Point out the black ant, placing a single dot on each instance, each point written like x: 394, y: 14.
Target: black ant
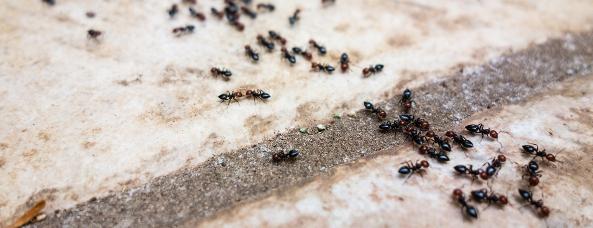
x: 277, y: 37
x: 173, y: 10
x: 537, y: 204
x: 251, y: 53
x: 288, y: 56
x: 230, y: 96
x: 322, y: 67
x: 258, y: 94
x: 494, y: 166
x: 93, y: 34
x: 328, y: 2
x: 459, y: 139
x: 282, y: 156
x: 49, y: 2
x: 226, y: 74
x: 320, y: 49
x: 420, y: 123
x: 183, y: 30
x: 191, y: 2
x: 344, y: 62
x: 366, y: 72
x: 200, y: 16
x: 410, y: 168
x: 469, y: 170
x: 469, y: 210
x: 537, y: 153
x: 479, y: 129
x: 375, y: 110
x: 443, y: 143
x: 217, y: 13
x: 265, y: 43
x: 294, y: 18
x: 406, y: 100
x: 532, y: 172
x: 307, y: 55
x: 440, y: 156
x: 266, y: 6
x: 483, y: 195
x: 248, y: 12
x: 415, y: 135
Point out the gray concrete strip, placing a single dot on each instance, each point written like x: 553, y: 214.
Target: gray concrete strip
x: 246, y: 175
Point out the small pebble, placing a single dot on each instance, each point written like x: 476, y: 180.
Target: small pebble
x: 304, y: 130
x: 338, y: 115
x: 321, y: 127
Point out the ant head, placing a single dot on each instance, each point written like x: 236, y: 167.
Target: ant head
x: 457, y: 193
x: 423, y: 149
x: 503, y: 200
x: 544, y: 211
x: 533, y: 181
x: 483, y: 175
x: 450, y: 134
x: 424, y: 163
x: 551, y: 157
x: 501, y: 158
x: 430, y: 133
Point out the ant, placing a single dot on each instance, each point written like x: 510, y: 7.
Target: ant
x: 93, y: 34
x: 366, y: 72
x: 440, y: 156
x: 378, y: 110
x: 251, y: 53
x: 443, y: 143
x: 183, y: 30
x: 418, y: 122
x: 248, y: 12
x: 294, y: 18
x: 238, y: 25
x: 537, y: 204
x: 49, y: 2
x: 281, y: 156
x: 483, y: 195
x: 415, y: 135
x: 537, y: 153
x: 531, y: 170
x: 258, y: 94
x: 307, y: 55
x: 320, y: 49
x: 328, y: 2
x: 465, y: 207
x: 494, y: 166
x: 266, y: 6
x: 459, y: 139
x: 406, y: 100
x: 322, y: 67
x: 410, y: 168
x: 469, y: 170
x: 226, y: 74
x: 344, y: 62
x: 288, y: 56
x: 173, y: 11
x: 479, y: 129
x: 200, y: 16
x: 230, y: 96
x: 217, y: 13
x: 265, y: 43
x: 277, y: 37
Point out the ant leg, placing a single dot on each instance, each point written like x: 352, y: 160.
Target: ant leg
x: 408, y: 177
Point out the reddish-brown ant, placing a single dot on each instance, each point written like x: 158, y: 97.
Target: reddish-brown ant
x: 248, y: 12
x: 307, y: 55
x: 183, y: 30
x: 542, y: 210
x: 381, y: 114
x: 322, y: 67
x: 265, y: 43
x: 217, y: 13
x: 226, y: 74
x: 483, y: 195
x: 529, y: 149
x: 277, y: 37
x: 479, y: 129
x: 459, y: 139
x: 200, y: 16
x: 230, y: 96
x: 410, y: 168
x: 494, y: 166
x: 468, y: 209
x: 320, y: 49
x: 344, y: 62
x: 532, y: 173
x: 258, y: 94
x: 266, y: 6
x: 366, y: 72
x: 93, y: 34
x: 281, y: 156
x: 251, y: 53
x: 469, y: 170
x: 288, y: 56
x: 173, y: 10
x: 292, y: 20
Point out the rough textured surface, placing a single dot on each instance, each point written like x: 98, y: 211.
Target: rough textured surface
x: 190, y: 195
